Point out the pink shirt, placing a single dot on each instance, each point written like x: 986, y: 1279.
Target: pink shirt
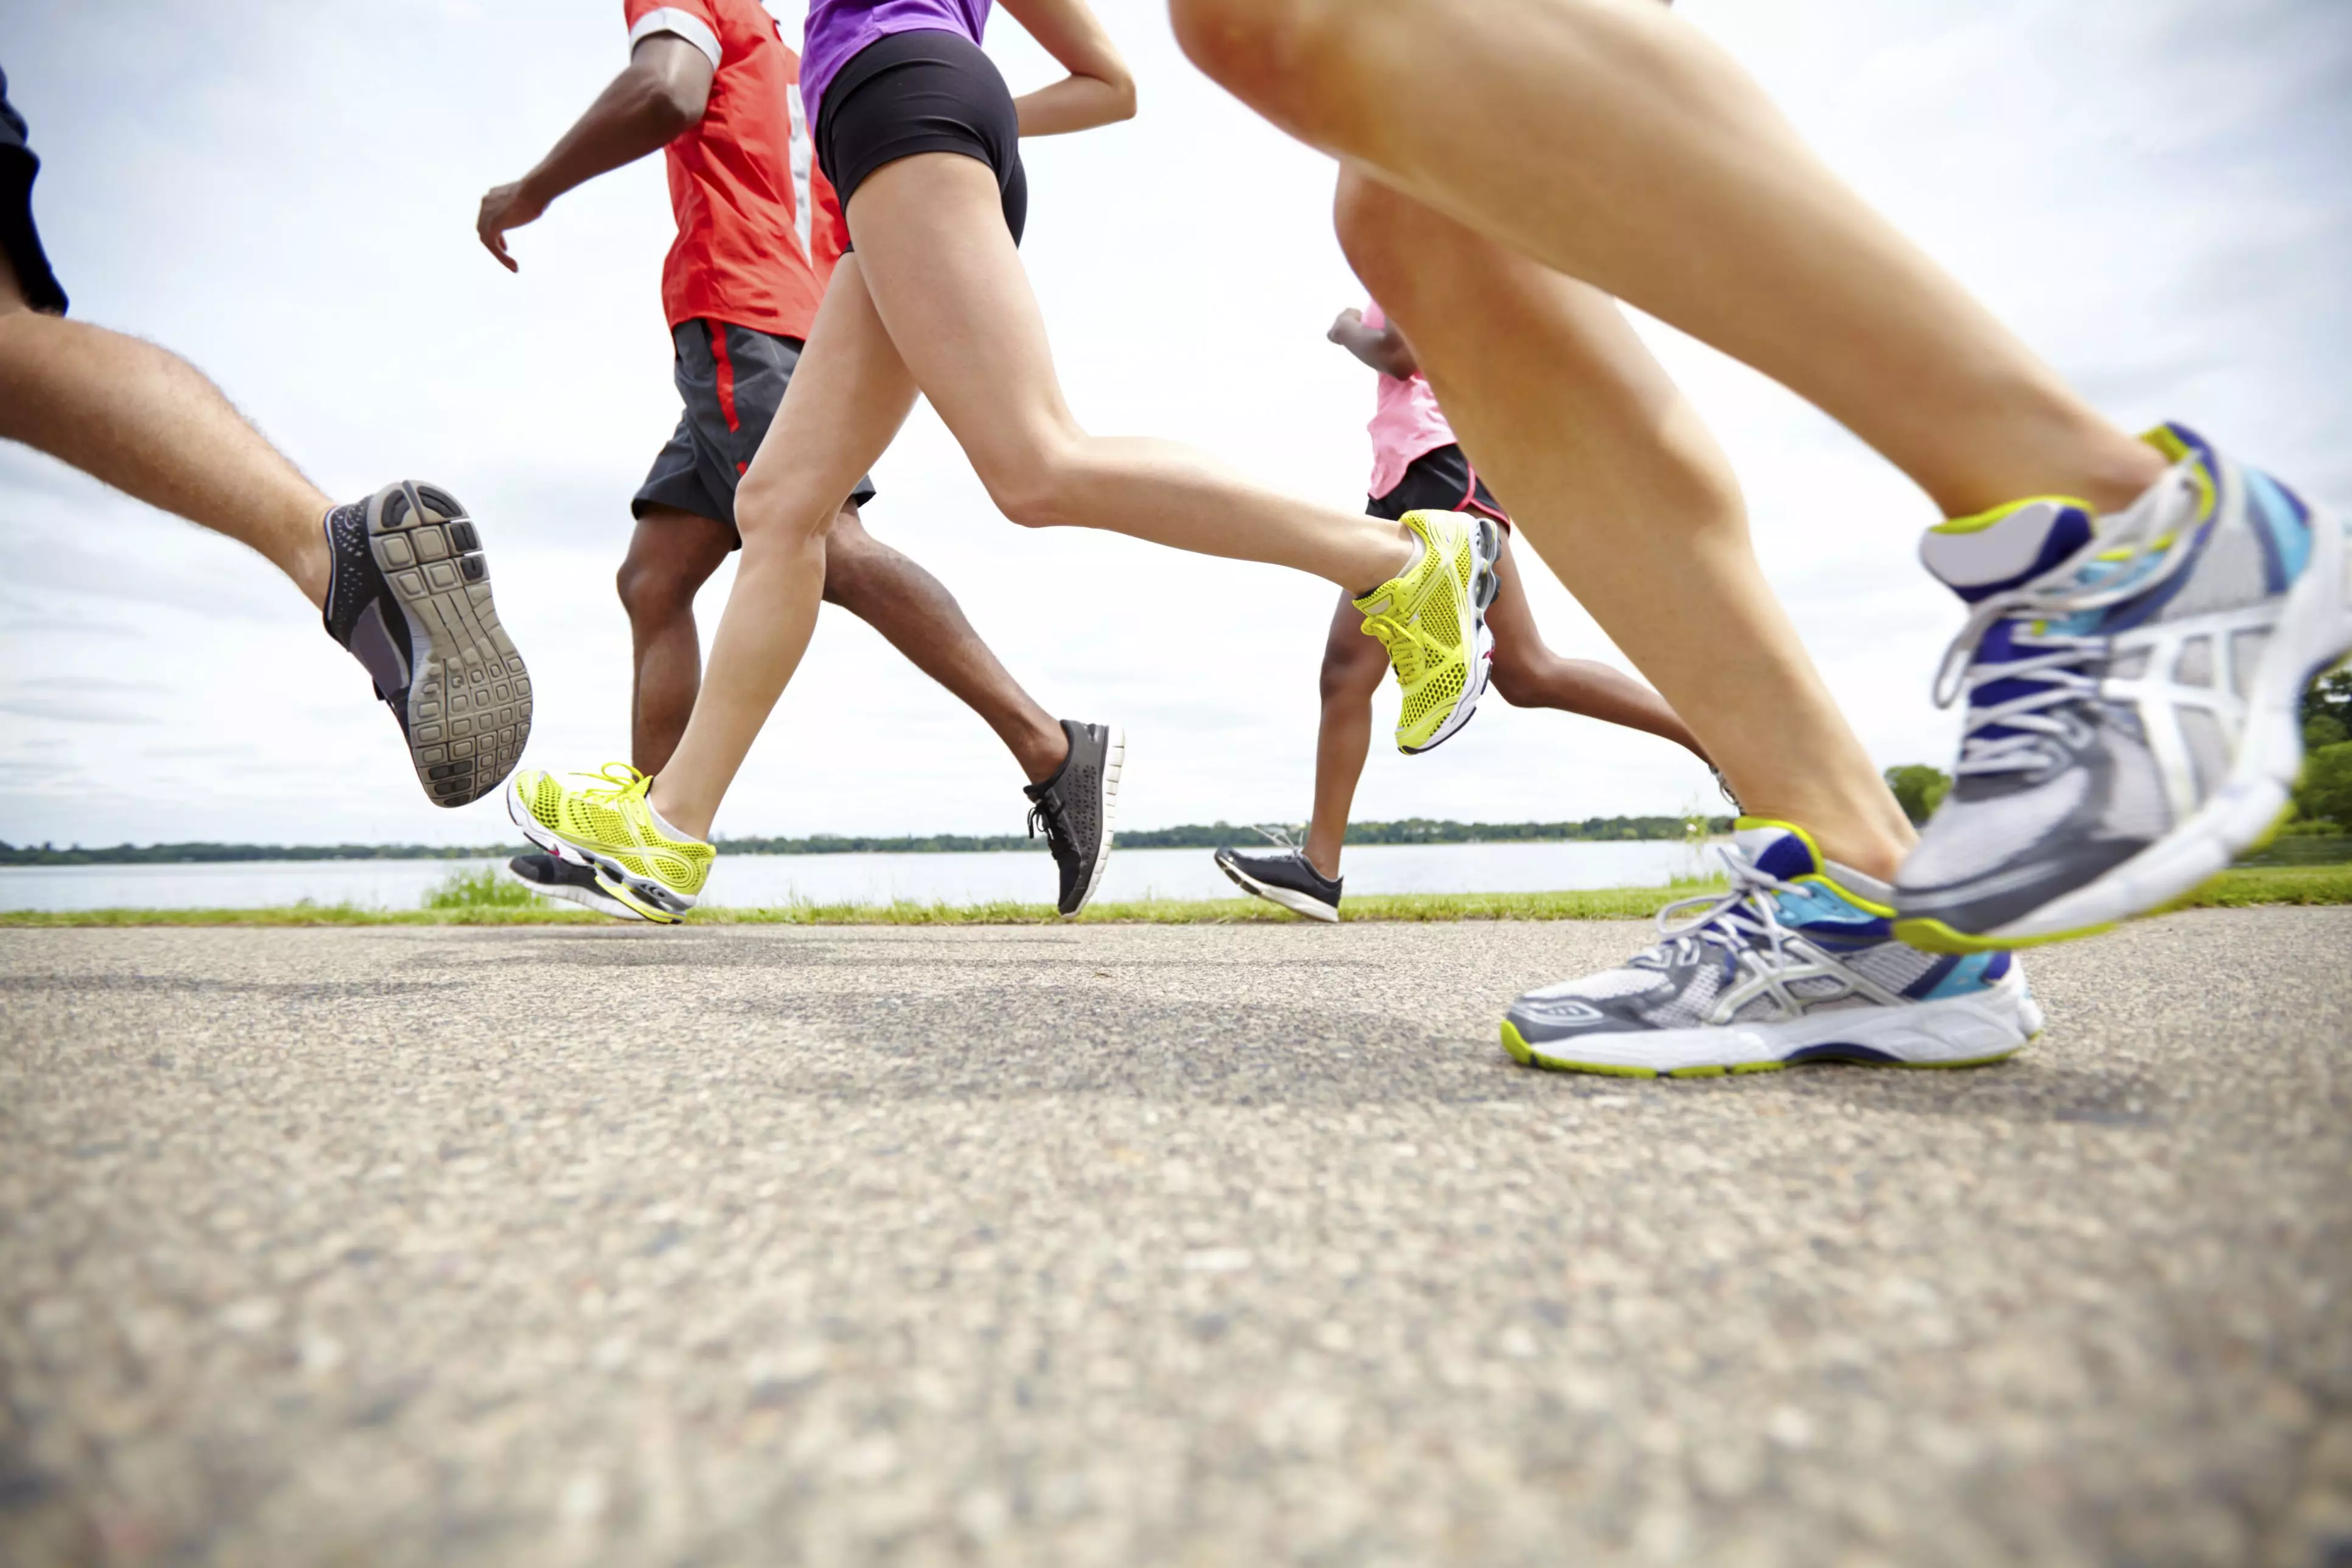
x: 1406, y: 421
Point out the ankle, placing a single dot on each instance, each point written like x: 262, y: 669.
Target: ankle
x: 1325, y: 858
x: 676, y: 815
x: 308, y: 560
x: 1041, y: 748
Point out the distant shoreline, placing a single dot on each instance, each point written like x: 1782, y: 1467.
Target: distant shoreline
x: 1196, y: 835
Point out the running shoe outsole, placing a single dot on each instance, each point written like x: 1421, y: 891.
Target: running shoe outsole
x: 1295, y: 902
x: 469, y: 694
x: 595, y: 900
x: 2314, y: 631
x: 1486, y: 548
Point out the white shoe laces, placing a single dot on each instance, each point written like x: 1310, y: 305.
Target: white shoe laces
x: 2158, y: 522
x: 1736, y: 921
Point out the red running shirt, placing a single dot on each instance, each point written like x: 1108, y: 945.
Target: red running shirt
x: 759, y: 228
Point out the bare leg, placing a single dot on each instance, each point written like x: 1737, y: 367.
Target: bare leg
x: 947, y: 280
x: 846, y: 400
x: 934, y: 296
x: 1353, y: 665
x: 150, y: 424
x: 671, y: 556
x: 1614, y: 141
x: 916, y: 615
x: 1614, y: 481
x: 1528, y: 674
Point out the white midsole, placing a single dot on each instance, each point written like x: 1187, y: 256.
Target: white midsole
x: 1114, y: 765
x: 1999, y: 1019
x: 2314, y: 629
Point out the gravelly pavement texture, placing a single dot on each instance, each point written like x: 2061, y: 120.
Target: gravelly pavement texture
x: 1130, y: 1246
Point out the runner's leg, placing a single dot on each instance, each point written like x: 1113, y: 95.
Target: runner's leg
x: 1528, y: 674
x: 671, y: 555
x: 848, y: 397
x: 946, y: 277
x: 154, y: 426
x: 1616, y: 484
x: 1353, y: 665
x: 1600, y: 136
x: 916, y: 615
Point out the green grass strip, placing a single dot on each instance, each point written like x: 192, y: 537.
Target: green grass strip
x: 2231, y: 889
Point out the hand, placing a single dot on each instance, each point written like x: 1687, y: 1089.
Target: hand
x: 506, y: 207
x: 1350, y: 320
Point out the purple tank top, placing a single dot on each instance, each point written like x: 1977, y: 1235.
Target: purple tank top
x: 839, y: 29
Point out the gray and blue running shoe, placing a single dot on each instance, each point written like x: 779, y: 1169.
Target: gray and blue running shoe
x: 2133, y: 687
x: 1794, y: 963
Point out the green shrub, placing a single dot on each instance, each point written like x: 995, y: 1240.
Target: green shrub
x: 481, y: 888
x: 2324, y: 792
x: 1919, y: 789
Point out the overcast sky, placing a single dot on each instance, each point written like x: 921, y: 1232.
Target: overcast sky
x: 2155, y: 192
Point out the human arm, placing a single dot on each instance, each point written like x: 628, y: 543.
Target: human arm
x: 659, y: 97
x: 1098, y: 91
x: 1383, y: 348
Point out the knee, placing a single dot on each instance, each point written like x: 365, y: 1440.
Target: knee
x: 771, y: 515
x: 1034, y: 486
x: 1350, y: 674
x: 1375, y: 228
x: 1258, y: 50
x: 654, y: 588
x: 1515, y: 677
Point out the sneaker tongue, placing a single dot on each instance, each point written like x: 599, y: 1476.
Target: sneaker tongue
x: 1979, y: 556
x: 1776, y: 852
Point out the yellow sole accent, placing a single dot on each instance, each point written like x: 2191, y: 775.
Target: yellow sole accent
x: 1935, y: 936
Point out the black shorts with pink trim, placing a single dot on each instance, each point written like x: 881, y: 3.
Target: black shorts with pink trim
x: 1442, y: 480
x: 732, y: 381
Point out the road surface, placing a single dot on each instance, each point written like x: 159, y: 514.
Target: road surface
x: 1138, y: 1246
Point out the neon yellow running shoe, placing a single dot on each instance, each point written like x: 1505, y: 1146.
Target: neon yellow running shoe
x: 1432, y: 621
x: 612, y: 831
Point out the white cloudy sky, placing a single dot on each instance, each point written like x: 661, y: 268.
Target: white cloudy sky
x: 2153, y: 190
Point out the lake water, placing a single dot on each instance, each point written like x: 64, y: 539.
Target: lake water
x: 764, y: 879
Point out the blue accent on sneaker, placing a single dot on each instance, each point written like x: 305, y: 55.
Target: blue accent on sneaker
x: 1973, y: 973
x: 1787, y: 857
x: 2286, y: 530
x: 1918, y: 989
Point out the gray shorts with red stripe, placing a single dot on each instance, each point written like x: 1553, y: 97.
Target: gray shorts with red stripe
x: 732, y: 380
x: 1442, y: 480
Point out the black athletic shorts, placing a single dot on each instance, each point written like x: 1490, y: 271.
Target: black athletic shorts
x: 732, y: 381
x: 921, y: 92
x: 20, y: 242
x: 1442, y: 480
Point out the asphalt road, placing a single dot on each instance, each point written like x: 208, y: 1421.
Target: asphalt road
x: 1139, y: 1246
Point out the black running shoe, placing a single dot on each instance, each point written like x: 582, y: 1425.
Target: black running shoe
x: 554, y: 878
x: 1284, y: 877
x: 1074, y: 809
x: 410, y: 598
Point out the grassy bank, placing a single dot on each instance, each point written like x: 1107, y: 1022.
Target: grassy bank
x: 2233, y: 889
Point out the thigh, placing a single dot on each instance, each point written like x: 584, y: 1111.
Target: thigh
x: 948, y: 282
x: 676, y: 547
x: 1554, y: 395
x: 848, y: 397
